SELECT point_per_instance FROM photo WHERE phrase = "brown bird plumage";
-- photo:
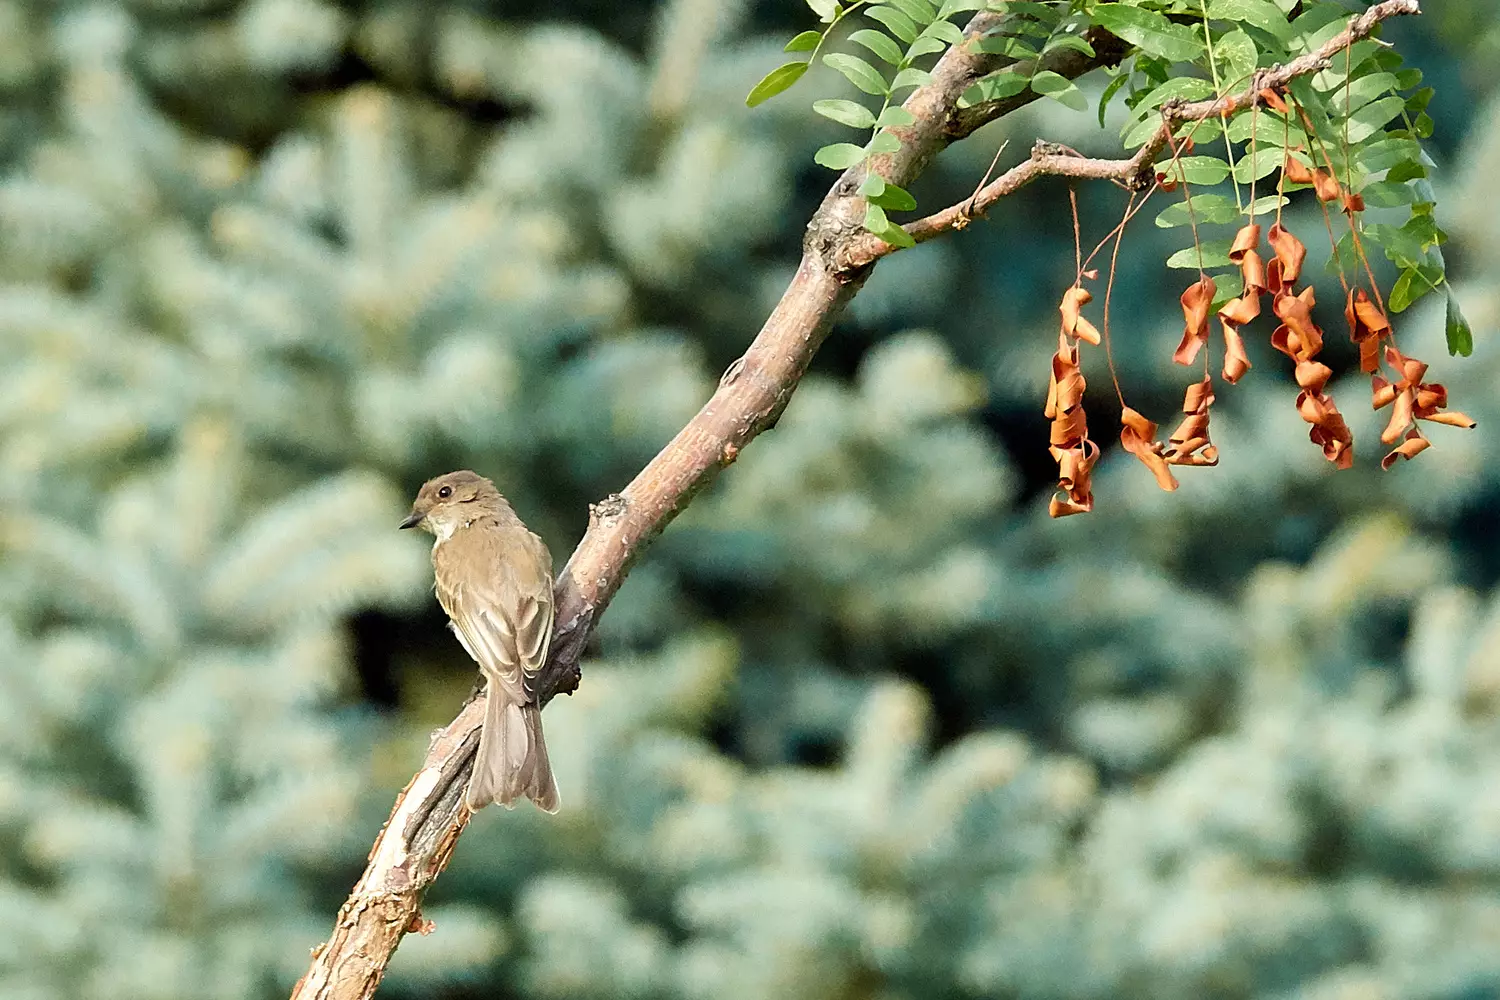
(494, 578)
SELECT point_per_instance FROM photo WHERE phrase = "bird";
(493, 577)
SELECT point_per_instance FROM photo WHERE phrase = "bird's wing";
(505, 624)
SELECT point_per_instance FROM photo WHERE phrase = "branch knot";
(607, 511)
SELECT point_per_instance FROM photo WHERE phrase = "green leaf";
(1385, 154)
(923, 45)
(1236, 56)
(1423, 227)
(883, 47)
(1359, 63)
(1227, 287)
(1215, 254)
(920, 11)
(825, 9)
(1261, 13)
(951, 7)
(1310, 98)
(877, 223)
(1203, 132)
(898, 237)
(1142, 130)
(805, 42)
(1400, 296)
(1405, 171)
(884, 142)
(1343, 258)
(899, 24)
(996, 86)
(1460, 334)
(895, 116)
(1148, 31)
(894, 199)
(1401, 247)
(1004, 45)
(846, 113)
(1267, 160)
(1269, 130)
(1408, 78)
(775, 82)
(858, 72)
(946, 31)
(1267, 204)
(872, 186)
(1387, 194)
(1146, 128)
(1152, 70)
(1060, 89)
(1109, 92)
(1076, 43)
(840, 155)
(1362, 91)
(1317, 24)
(1042, 12)
(1197, 170)
(1423, 126)
(911, 76)
(1187, 88)
(1208, 209)
(1373, 117)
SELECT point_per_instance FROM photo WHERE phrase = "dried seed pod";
(1138, 436)
(1196, 302)
(1368, 326)
(1189, 443)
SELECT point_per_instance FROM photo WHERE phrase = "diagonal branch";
(418, 839)
(414, 846)
(1050, 160)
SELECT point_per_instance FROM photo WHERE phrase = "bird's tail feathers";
(512, 759)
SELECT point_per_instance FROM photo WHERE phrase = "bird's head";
(447, 501)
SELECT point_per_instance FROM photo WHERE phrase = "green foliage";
(905, 31)
(779, 79)
(1363, 119)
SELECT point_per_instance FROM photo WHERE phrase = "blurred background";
(864, 723)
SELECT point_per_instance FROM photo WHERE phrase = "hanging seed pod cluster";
(1304, 90)
(1271, 271)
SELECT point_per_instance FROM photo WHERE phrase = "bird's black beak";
(413, 519)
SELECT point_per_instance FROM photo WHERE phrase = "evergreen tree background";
(864, 722)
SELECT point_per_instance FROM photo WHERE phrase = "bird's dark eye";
(445, 492)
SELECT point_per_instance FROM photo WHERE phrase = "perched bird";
(494, 578)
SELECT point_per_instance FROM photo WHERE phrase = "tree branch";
(418, 839)
(1050, 160)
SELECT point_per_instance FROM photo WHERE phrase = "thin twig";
(988, 172)
(1109, 290)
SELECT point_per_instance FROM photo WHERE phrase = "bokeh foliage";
(864, 722)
